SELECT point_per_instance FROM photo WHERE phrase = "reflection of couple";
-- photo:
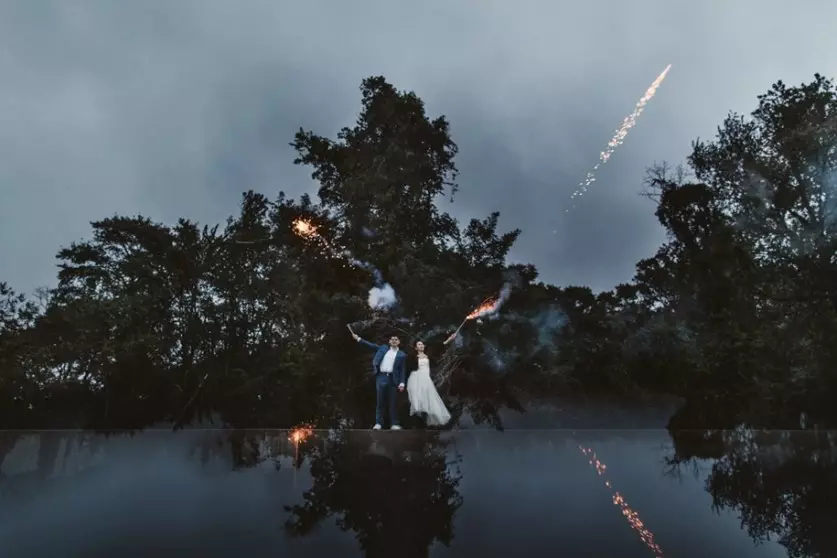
(389, 368)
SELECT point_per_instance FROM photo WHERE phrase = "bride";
(424, 399)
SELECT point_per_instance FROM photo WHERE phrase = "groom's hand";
(400, 387)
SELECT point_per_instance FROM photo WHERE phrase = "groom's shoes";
(376, 427)
(395, 427)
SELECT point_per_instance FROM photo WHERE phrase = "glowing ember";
(300, 434)
(305, 228)
(620, 134)
(309, 231)
(631, 516)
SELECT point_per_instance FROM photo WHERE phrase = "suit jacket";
(398, 367)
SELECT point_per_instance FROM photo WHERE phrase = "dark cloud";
(174, 108)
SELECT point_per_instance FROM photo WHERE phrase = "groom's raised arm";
(367, 343)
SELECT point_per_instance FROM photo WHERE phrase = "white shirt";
(389, 361)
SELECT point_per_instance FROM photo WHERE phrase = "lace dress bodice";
(424, 365)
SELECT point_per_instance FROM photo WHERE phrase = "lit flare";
(488, 306)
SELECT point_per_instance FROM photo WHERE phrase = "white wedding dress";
(423, 395)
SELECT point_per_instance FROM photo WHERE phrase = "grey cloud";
(173, 108)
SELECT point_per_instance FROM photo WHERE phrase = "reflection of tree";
(781, 483)
(252, 447)
(398, 493)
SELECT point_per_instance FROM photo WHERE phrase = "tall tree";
(381, 177)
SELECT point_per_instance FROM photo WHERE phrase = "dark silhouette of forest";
(246, 322)
(735, 312)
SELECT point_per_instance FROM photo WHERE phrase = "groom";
(388, 369)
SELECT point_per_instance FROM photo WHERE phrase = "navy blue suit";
(385, 384)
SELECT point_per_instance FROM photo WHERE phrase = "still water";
(207, 493)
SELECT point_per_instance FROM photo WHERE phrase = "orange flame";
(487, 307)
(631, 516)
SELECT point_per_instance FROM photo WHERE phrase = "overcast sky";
(172, 108)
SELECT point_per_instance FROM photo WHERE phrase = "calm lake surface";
(524, 491)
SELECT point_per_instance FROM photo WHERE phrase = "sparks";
(310, 232)
(488, 306)
(305, 228)
(300, 434)
(620, 134)
(631, 516)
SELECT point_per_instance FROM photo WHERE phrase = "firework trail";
(309, 231)
(381, 295)
(619, 135)
(630, 515)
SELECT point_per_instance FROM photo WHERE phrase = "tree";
(748, 245)
(381, 178)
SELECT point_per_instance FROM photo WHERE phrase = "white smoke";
(382, 297)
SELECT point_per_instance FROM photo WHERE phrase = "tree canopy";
(246, 322)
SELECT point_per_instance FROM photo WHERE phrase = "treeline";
(735, 312)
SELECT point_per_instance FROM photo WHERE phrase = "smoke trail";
(434, 331)
(382, 297)
(545, 324)
(497, 359)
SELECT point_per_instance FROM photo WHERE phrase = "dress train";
(423, 395)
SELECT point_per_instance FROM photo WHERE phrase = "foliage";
(781, 484)
(246, 322)
(735, 314)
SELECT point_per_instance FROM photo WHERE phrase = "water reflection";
(417, 493)
(398, 494)
(783, 484)
(629, 513)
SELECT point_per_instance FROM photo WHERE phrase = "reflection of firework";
(300, 433)
(620, 134)
(631, 516)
